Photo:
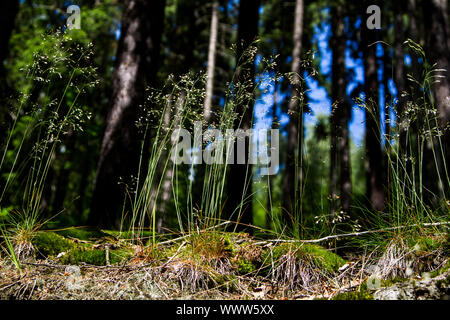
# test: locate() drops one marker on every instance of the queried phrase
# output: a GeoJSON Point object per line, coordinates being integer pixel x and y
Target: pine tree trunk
{"type": "Point", "coordinates": [269, 206]}
{"type": "Point", "coordinates": [239, 175]}
{"type": "Point", "coordinates": [293, 176]}
{"type": "Point", "coordinates": [374, 155]}
{"type": "Point", "coordinates": [137, 57]}
{"type": "Point", "coordinates": [8, 13]}
{"type": "Point", "coordinates": [340, 166]}
{"type": "Point", "coordinates": [436, 21]}
{"type": "Point", "coordinates": [207, 107]}
{"type": "Point", "coordinates": [399, 69]}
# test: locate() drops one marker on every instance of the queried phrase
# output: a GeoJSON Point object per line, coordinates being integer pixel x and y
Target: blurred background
{"type": "Point", "coordinates": [360, 94]}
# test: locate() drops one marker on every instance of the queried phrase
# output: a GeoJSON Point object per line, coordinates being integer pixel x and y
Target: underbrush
{"type": "Point", "coordinates": [214, 264]}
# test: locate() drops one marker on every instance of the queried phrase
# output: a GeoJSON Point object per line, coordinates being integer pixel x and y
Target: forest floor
{"type": "Point", "coordinates": [78, 263]}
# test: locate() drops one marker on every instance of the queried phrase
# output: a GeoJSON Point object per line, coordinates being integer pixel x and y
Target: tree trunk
{"type": "Point", "coordinates": [399, 69]}
{"type": "Point", "coordinates": [137, 57]}
{"type": "Point", "coordinates": [8, 13]}
{"type": "Point", "coordinates": [438, 52]}
{"type": "Point", "coordinates": [374, 155]}
{"type": "Point", "coordinates": [63, 174]}
{"type": "Point", "coordinates": [240, 175]}
{"type": "Point", "coordinates": [293, 176]}
{"type": "Point", "coordinates": [211, 61]}
{"type": "Point", "coordinates": [340, 166]}
{"type": "Point", "coordinates": [269, 206]}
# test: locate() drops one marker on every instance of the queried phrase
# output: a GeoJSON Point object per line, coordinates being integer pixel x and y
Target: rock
{"type": "Point", "coordinates": [425, 289]}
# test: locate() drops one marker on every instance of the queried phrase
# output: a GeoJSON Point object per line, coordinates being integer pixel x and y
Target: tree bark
{"type": "Point", "coordinates": [438, 53]}
{"type": "Point", "coordinates": [8, 13]}
{"type": "Point", "coordinates": [340, 165]}
{"type": "Point", "coordinates": [293, 176]}
{"type": "Point", "coordinates": [269, 206]}
{"type": "Point", "coordinates": [207, 107]}
{"type": "Point", "coordinates": [399, 57]}
{"type": "Point", "coordinates": [137, 60]}
{"type": "Point", "coordinates": [240, 175]}
{"type": "Point", "coordinates": [374, 155]}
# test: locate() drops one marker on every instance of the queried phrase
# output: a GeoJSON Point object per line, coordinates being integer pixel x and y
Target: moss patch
{"type": "Point", "coordinates": [50, 244]}
{"type": "Point", "coordinates": [245, 267]}
{"type": "Point", "coordinates": [354, 295]}
{"type": "Point", "coordinates": [82, 233]}
{"type": "Point", "coordinates": [321, 257]}
{"type": "Point", "coordinates": [363, 293]}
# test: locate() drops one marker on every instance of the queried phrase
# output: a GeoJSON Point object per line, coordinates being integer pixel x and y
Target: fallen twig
{"type": "Point", "coordinates": [353, 234]}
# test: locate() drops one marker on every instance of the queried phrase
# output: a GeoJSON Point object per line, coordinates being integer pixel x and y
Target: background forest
{"type": "Point", "coordinates": [361, 97]}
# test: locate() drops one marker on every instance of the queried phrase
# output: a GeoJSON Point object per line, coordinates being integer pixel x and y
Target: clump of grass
{"type": "Point", "coordinates": [10, 250]}
{"type": "Point", "coordinates": [406, 255]}
{"type": "Point", "coordinates": [193, 276]}
{"type": "Point", "coordinates": [209, 249]}
{"type": "Point", "coordinates": [300, 266]}
{"type": "Point", "coordinates": [38, 129]}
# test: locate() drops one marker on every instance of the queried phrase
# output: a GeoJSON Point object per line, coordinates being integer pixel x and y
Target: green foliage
{"type": "Point", "coordinates": [322, 258]}
{"type": "Point", "coordinates": [245, 266]}
{"type": "Point", "coordinates": [50, 244]}
{"type": "Point", "coordinates": [354, 295]}
{"type": "Point", "coordinates": [10, 251]}
{"type": "Point", "coordinates": [82, 233]}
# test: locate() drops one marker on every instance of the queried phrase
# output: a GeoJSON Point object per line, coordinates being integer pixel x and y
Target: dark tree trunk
{"type": "Point", "coordinates": [374, 154]}
{"type": "Point", "coordinates": [8, 13]}
{"type": "Point", "coordinates": [399, 69]}
{"type": "Point", "coordinates": [61, 187]}
{"type": "Point", "coordinates": [293, 175]}
{"type": "Point", "coordinates": [137, 61]}
{"type": "Point", "coordinates": [387, 67]}
{"type": "Point", "coordinates": [438, 52]}
{"type": "Point", "coordinates": [239, 175]}
{"type": "Point", "coordinates": [269, 206]}
{"type": "Point", "coordinates": [340, 166]}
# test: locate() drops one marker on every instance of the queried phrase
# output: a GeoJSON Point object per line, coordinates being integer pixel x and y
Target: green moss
{"type": "Point", "coordinates": [321, 257]}
{"type": "Point", "coordinates": [354, 295]}
{"type": "Point", "coordinates": [77, 256]}
{"type": "Point", "coordinates": [245, 267]}
{"type": "Point", "coordinates": [324, 258]}
{"type": "Point", "coordinates": [391, 281]}
{"type": "Point", "coordinates": [81, 233]}
{"type": "Point", "coordinates": [50, 243]}
{"type": "Point", "coordinates": [145, 234]}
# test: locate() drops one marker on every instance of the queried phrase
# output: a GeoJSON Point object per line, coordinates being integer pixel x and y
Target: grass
{"type": "Point", "coordinates": [205, 256]}
{"type": "Point", "coordinates": [42, 126]}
